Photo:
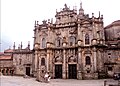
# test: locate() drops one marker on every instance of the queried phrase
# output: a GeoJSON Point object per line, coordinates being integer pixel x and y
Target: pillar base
{"type": "Point", "coordinates": [79, 77]}
{"type": "Point", "coordinates": [64, 75]}
{"type": "Point", "coordinates": [95, 75]}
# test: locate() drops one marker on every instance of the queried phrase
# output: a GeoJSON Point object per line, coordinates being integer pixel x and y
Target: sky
{"type": "Point", "coordinates": [18, 16]}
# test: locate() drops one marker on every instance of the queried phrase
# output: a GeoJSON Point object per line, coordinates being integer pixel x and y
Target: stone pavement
{"type": "Point", "coordinates": [20, 81]}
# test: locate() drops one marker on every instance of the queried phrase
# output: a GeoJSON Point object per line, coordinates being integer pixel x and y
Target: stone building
{"type": "Point", "coordinates": [72, 47]}
{"type": "Point", "coordinates": [112, 52]}
{"type": "Point", "coordinates": [76, 46]}
{"type": "Point", "coordinates": [6, 64]}
{"type": "Point", "coordinates": [16, 61]}
{"type": "Point", "coordinates": [22, 60]}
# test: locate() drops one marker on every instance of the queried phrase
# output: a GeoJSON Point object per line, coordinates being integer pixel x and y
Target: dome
{"type": "Point", "coordinates": [115, 23]}
{"type": "Point", "coordinates": [112, 32]}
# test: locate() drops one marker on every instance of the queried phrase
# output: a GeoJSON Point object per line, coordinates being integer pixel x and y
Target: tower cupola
{"type": "Point", "coordinates": [81, 11]}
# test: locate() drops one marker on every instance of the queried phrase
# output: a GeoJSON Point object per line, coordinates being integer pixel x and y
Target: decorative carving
{"type": "Point", "coordinates": [58, 32]}
{"type": "Point", "coordinates": [118, 35]}
{"type": "Point", "coordinates": [58, 56]}
{"type": "Point", "coordinates": [87, 52]}
{"type": "Point", "coordinates": [58, 59]}
{"type": "Point", "coordinates": [72, 59]}
{"type": "Point", "coordinates": [43, 33]}
{"type": "Point", "coordinates": [94, 49]}
{"type": "Point", "coordinates": [72, 30]}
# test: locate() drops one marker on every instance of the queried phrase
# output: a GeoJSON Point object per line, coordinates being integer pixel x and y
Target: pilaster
{"type": "Point", "coordinates": [64, 64]}
{"type": "Point", "coordinates": [95, 58]}
{"type": "Point", "coordinates": [47, 61]}
{"type": "Point", "coordinates": [79, 76]}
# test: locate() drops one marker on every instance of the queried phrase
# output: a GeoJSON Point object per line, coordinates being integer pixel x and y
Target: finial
{"type": "Point", "coordinates": [51, 20]}
{"type": "Point", "coordinates": [44, 22]}
{"type": "Point", "coordinates": [28, 44]}
{"type": "Point", "coordinates": [56, 10]}
{"type": "Point", "coordinates": [65, 5]}
{"type": "Point", "coordinates": [14, 46]}
{"type": "Point", "coordinates": [37, 22]}
{"type": "Point", "coordinates": [48, 20]}
{"type": "Point", "coordinates": [80, 4]}
{"type": "Point", "coordinates": [99, 14]}
{"type": "Point", "coordinates": [21, 45]}
{"type": "Point", "coordinates": [92, 14]}
{"type": "Point", "coordinates": [81, 11]}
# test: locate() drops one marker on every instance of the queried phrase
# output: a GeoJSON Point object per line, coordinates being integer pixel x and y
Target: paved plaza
{"type": "Point", "coordinates": [20, 81]}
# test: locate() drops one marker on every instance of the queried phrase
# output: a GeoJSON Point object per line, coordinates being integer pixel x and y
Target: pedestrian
{"type": "Point", "coordinates": [46, 77]}
{"type": "Point", "coordinates": [49, 78]}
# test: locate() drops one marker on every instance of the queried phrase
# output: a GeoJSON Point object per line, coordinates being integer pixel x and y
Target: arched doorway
{"type": "Point", "coordinates": [58, 71]}
{"type": "Point", "coordinates": [28, 71]}
{"type": "Point", "coordinates": [72, 71]}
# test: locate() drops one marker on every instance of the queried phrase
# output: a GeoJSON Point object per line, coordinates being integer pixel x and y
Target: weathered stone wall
{"type": "Point", "coordinates": [6, 63]}
{"type": "Point", "coordinates": [20, 62]}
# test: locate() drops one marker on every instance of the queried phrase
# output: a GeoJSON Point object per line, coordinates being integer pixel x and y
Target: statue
{"type": "Point", "coordinates": [65, 6]}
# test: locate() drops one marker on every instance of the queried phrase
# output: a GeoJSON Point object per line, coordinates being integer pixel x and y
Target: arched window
{"type": "Point", "coordinates": [87, 39]}
{"type": "Point", "coordinates": [58, 42]}
{"type": "Point", "coordinates": [43, 61]}
{"type": "Point", "coordinates": [87, 60]}
{"type": "Point", "coordinates": [72, 41]}
{"type": "Point", "coordinates": [20, 61]}
{"type": "Point", "coordinates": [43, 43]}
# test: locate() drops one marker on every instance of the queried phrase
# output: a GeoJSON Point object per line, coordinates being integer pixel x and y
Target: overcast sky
{"type": "Point", "coordinates": [18, 16]}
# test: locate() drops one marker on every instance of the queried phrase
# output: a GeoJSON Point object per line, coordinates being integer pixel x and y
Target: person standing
{"type": "Point", "coordinates": [46, 77]}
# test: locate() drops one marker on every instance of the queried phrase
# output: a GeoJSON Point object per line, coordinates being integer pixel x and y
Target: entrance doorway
{"type": "Point", "coordinates": [28, 71]}
{"type": "Point", "coordinates": [58, 71]}
{"type": "Point", "coordinates": [72, 69]}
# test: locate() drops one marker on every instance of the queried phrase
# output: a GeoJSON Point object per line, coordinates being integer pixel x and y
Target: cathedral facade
{"type": "Point", "coordinates": [74, 47]}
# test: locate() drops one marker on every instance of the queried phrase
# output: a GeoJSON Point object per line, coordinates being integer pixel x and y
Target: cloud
{"type": "Point", "coordinates": [5, 43]}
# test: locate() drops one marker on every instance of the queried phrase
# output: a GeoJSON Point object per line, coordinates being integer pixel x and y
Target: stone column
{"type": "Point", "coordinates": [47, 61]}
{"type": "Point", "coordinates": [8, 71]}
{"type": "Point", "coordinates": [95, 59]}
{"type": "Point", "coordinates": [79, 63]}
{"type": "Point", "coordinates": [51, 64]}
{"type": "Point", "coordinates": [64, 65]}
{"type": "Point", "coordinates": [79, 32]}
{"type": "Point", "coordinates": [94, 30]}
{"type": "Point", "coordinates": [5, 71]}
{"type": "Point", "coordinates": [36, 60]}
{"type": "Point", "coordinates": [38, 74]}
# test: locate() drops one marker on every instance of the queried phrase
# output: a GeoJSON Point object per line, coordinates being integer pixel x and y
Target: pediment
{"type": "Point", "coordinates": [43, 33]}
